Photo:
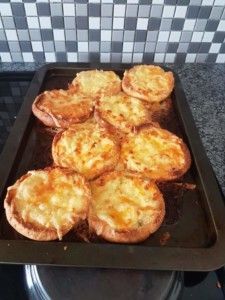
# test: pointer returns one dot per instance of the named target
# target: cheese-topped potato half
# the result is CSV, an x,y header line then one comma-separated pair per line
x,y
61,108
125,208
86,148
121,111
155,152
95,83
147,82
45,204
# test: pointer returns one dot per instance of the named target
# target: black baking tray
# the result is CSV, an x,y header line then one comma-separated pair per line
x,y
195,219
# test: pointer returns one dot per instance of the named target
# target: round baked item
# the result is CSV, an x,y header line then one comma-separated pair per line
x,y
45,204
155,152
121,111
61,108
125,208
87,148
94,83
147,82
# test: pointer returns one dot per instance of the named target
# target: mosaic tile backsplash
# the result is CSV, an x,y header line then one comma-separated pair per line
x,y
112,31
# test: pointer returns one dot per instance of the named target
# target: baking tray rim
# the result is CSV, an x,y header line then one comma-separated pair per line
x,y
212,256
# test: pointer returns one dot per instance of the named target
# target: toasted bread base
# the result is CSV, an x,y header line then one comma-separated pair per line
x,y
43,110
76,161
132,161
135,88
133,112
34,230
129,235
95,83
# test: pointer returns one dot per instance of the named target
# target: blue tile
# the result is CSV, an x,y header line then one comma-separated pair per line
x,y
43,9
154,24
219,37
47,34
71,46
130,23
94,9
57,22
21,23
4,46
18,9
25,46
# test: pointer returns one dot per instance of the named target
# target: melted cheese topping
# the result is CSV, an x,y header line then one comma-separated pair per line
x,y
95,82
88,149
51,199
126,202
155,152
122,111
66,104
151,81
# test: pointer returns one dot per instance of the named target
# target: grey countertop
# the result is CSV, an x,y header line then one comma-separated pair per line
x,y
204,88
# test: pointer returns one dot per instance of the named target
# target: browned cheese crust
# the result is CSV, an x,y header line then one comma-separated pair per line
x,y
61,108
160,111
147,82
122,112
125,208
155,152
95,83
87,148
45,204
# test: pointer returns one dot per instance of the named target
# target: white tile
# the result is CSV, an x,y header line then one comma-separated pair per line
x,y
189,24
5,9
221,26
5,57
11,35
30,9
170,57
32,22
168,11
208,37
207,2
55,1
132,1
50,56
197,36
128,47
137,57
58,34
220,58
28,57
105,57
219,2
37,46
215,48
45,22
119,10
118,23
190,58
157,1
94,23
69,9
142,23
95,1
106,35
159,57
127,58
180,11
82,46
71,57
163,36
175,36
107,1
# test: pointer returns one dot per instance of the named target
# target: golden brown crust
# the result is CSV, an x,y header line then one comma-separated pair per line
x,y
33,229
128,234
95,83
61,108
147,82
87,148
122,112
155,152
